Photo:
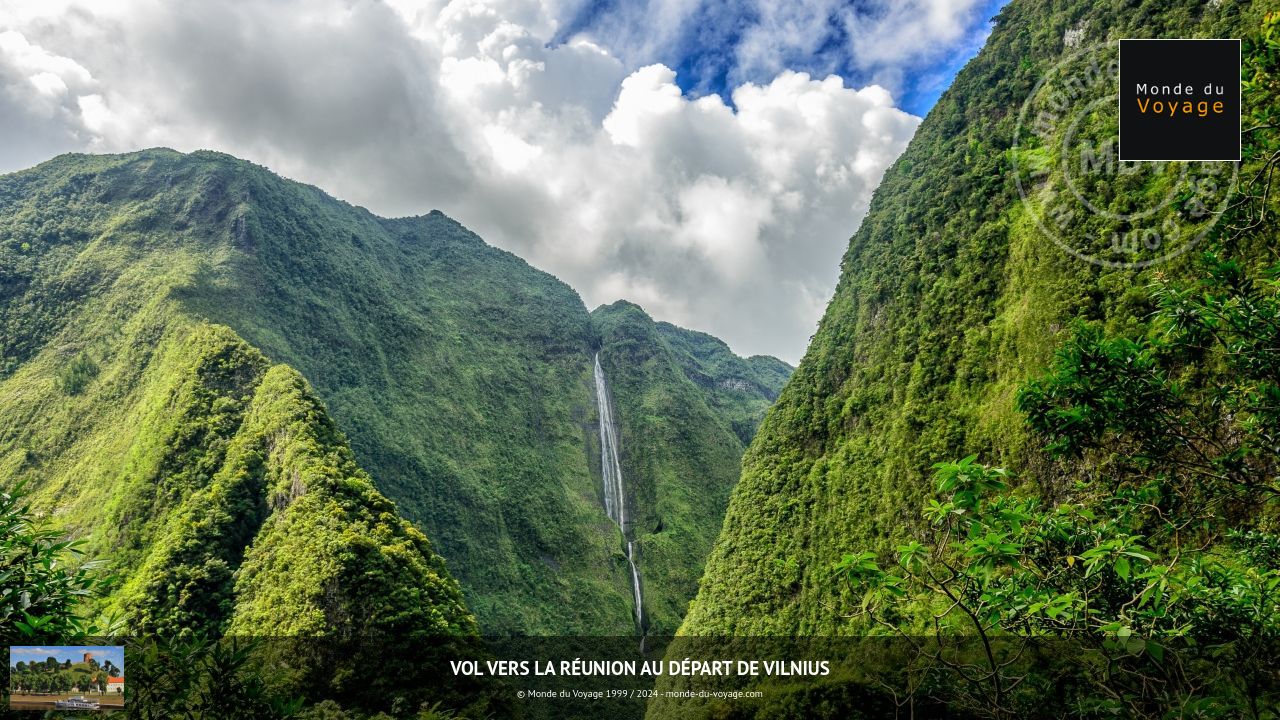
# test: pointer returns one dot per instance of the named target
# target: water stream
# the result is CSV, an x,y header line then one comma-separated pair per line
x,y
615,496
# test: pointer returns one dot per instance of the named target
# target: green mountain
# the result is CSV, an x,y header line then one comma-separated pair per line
x,y
206,370
737,389
950,298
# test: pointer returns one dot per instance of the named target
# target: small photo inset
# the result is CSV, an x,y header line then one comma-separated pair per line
x,y
71,678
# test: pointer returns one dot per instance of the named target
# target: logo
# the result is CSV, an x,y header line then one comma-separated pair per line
x,y
1180,100
1079,192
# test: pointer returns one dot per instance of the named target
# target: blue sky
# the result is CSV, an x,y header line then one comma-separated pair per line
x,y
705,49
39,653
922,90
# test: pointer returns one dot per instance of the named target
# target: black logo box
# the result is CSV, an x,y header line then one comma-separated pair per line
x,y
1188,66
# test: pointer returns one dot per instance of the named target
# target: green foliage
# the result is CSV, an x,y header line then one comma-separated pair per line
x,y
1158,556
320,678
43,578
196,678
251,517
1260,78
1165,610
1213,438
334,555
460,376
949,298
738,389
77,374
287,536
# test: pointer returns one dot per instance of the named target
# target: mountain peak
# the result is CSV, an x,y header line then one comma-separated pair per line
x,y
458,376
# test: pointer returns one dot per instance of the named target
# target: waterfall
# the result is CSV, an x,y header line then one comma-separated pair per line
x,y
615,497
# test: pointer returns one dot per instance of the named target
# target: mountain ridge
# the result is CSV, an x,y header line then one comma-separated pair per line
x,y
459,373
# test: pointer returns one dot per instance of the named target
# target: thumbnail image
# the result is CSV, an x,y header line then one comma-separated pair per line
x,y
66,677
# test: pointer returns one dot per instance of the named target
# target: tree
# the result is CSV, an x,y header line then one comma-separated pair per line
x,y
1147,555
45,580
1156,545
1153,548
195,677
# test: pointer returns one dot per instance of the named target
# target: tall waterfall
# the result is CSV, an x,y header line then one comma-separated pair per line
x,y
615,497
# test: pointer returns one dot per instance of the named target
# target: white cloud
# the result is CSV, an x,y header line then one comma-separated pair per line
x,y
903,35
879,35
899,30
884,40
40,94
726,219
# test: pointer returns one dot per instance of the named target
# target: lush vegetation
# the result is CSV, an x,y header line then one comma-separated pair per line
x,y
277,678
288,537
950,299
1129,567
141,296
197,678
217,485
45,579
248,515
1158,559
738,389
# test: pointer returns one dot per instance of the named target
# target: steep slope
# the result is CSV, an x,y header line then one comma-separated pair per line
x,y
461,376
199,450
738,389
949,298
681,398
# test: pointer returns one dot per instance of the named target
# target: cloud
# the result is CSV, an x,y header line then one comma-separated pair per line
x,y
723,220
40,96
717,43
903,36
727,215
872,35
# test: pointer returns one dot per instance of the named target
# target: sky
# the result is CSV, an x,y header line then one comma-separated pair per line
x,y
30,653
707,159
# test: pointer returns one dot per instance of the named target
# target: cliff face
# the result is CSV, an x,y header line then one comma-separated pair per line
x,y
950,297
